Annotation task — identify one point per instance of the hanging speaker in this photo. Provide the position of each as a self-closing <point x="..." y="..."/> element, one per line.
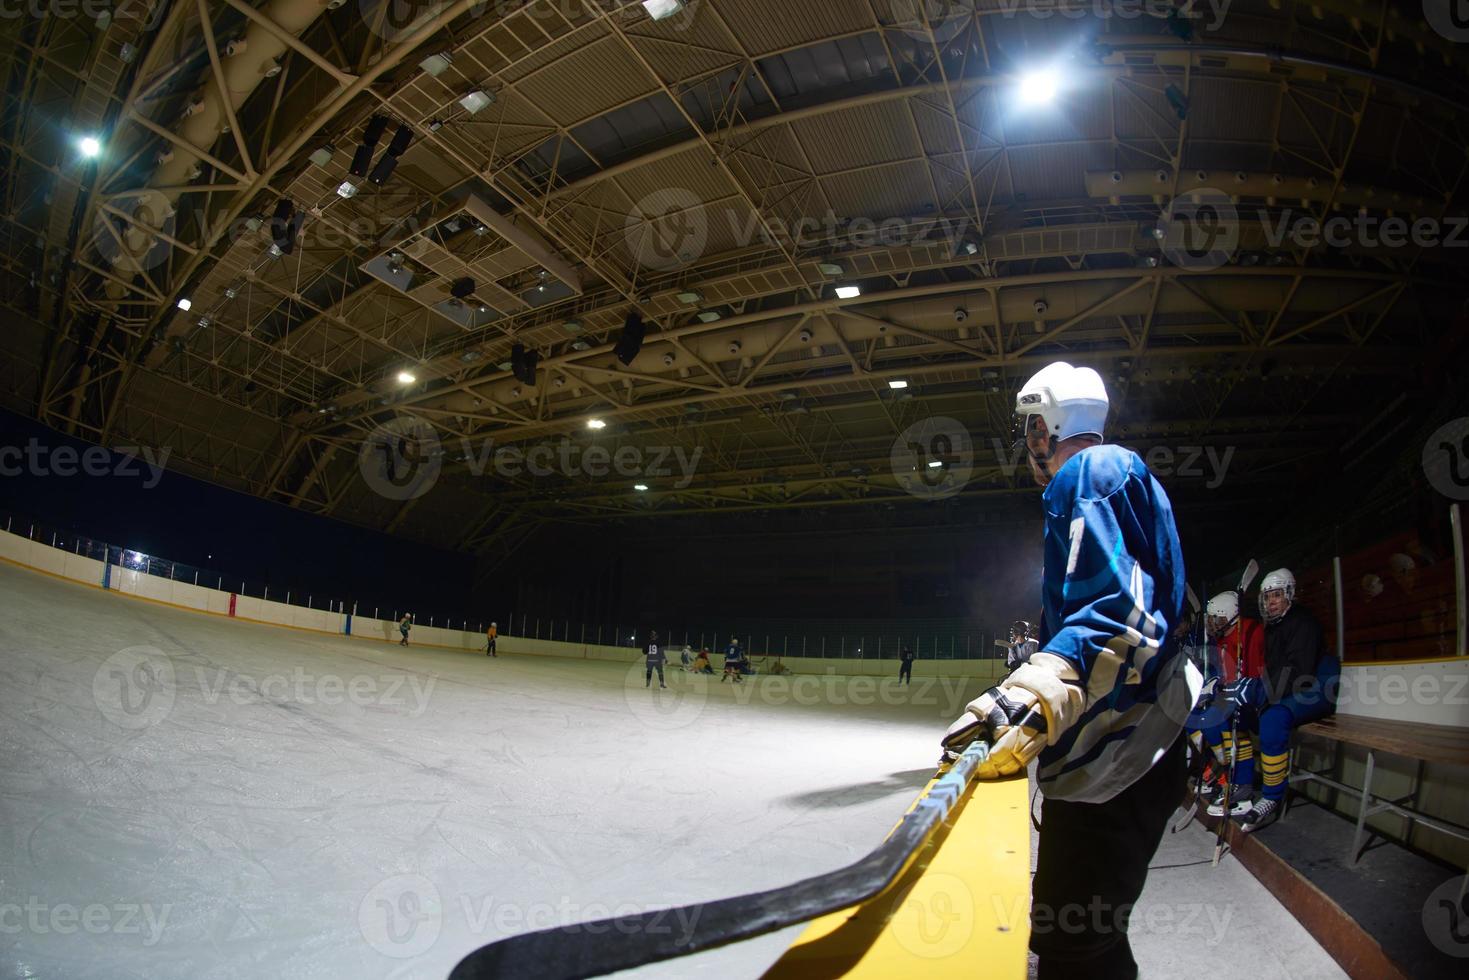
<point x="631" y="341"/>
<point x="523" y="364"/>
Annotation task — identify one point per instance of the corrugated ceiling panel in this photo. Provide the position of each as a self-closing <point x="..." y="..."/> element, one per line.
<point x="897" y="190"/>
<point x="770" y="25"/>
<point x="589" y="81"/>
<point x="878" y="133"/>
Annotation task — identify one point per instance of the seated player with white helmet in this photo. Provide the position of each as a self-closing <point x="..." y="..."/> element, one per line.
<point x="1300" y="686"/>
<point x="1100" y="704"/>
<point x="1218" y="719"/>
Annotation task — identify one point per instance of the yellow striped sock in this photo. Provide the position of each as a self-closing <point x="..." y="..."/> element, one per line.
<point x="1276" y="768"/>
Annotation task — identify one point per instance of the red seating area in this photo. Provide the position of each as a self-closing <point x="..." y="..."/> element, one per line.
<point x="1399" y="601"/>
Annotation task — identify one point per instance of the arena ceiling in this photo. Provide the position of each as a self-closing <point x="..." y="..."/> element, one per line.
<point x="720" y="171"/>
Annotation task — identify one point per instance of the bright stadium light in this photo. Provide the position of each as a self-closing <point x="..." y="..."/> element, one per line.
<point x="848" y="292"/>
<point x="897" y="384"/>
<point x="406" y="377"/>
<point x="185" y="303"/>
<point x="659" y="9"/>
<point x="640" y="486"/>
<point x="596" y="424"/>
<point x="934" y="464"/>
<point x="90" y="147"/>
<point x="1039" y="86"/>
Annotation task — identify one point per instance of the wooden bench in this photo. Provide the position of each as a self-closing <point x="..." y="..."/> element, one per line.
<point x="1412" y="740"/>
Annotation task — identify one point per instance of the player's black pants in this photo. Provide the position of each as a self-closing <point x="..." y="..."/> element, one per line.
<point x="648" y="675"/>
<point x="906" y="671"/>
<point x="490" y="648"/>
<point x="1090" y="870"/>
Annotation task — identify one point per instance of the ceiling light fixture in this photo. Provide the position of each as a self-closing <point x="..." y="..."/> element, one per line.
<point x="90" y="147"/>
<point x="897" y="384"/>
<point x="406" y="377"/>
<point x="1038" y="87"/>
<point x="848" y="292"/>
<point x="659" y="9"/>
<point x="476" y="100"/>
<point x="437" y="64"/>
<point x="596" y="424"/>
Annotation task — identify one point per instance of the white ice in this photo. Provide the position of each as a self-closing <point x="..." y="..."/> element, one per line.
<point x="183" y="796"/>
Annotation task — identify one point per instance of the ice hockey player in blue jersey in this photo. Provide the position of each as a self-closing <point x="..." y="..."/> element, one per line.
<point x="1100" y="704"/>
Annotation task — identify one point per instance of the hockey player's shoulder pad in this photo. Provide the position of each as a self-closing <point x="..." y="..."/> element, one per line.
<point x="1096" y="473"/>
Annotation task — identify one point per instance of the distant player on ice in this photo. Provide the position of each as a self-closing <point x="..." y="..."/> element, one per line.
<point x="1101" y="702"/>
<point x="655" y="658"/>
<point x="734" y="661"/>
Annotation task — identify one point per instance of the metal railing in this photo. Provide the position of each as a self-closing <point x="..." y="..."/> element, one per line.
<point x="930" y="639"/>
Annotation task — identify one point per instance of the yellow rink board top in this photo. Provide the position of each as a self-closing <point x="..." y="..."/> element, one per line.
<point x="960" y="909"/>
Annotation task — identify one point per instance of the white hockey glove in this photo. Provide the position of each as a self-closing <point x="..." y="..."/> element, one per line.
<point x="1027" y="711"/>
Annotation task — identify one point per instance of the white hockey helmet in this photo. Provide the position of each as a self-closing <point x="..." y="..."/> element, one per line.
<point x="1280" y="580"/>
<point x="1071" y="400"/>
<point x="1225" y="607"/>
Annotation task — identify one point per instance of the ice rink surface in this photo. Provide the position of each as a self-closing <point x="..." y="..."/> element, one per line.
<point x="183" y="796"/>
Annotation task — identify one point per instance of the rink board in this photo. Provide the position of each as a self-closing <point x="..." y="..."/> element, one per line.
<point x="960" y="908"/>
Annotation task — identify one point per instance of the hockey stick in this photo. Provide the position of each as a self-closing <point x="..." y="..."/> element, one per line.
<point x="1224" y="818"/>
<point x="1251" y="570"/>
<point x="591" y="949"/>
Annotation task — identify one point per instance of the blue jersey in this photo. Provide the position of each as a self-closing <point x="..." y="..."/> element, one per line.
<point x="1112" y="589"/>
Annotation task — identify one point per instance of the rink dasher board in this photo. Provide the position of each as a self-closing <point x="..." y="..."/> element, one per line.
<point x="946" y="891"/>
<point x="961" y="908"/>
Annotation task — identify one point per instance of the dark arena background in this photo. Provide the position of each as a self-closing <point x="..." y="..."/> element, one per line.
<point x="398" y="399"/>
